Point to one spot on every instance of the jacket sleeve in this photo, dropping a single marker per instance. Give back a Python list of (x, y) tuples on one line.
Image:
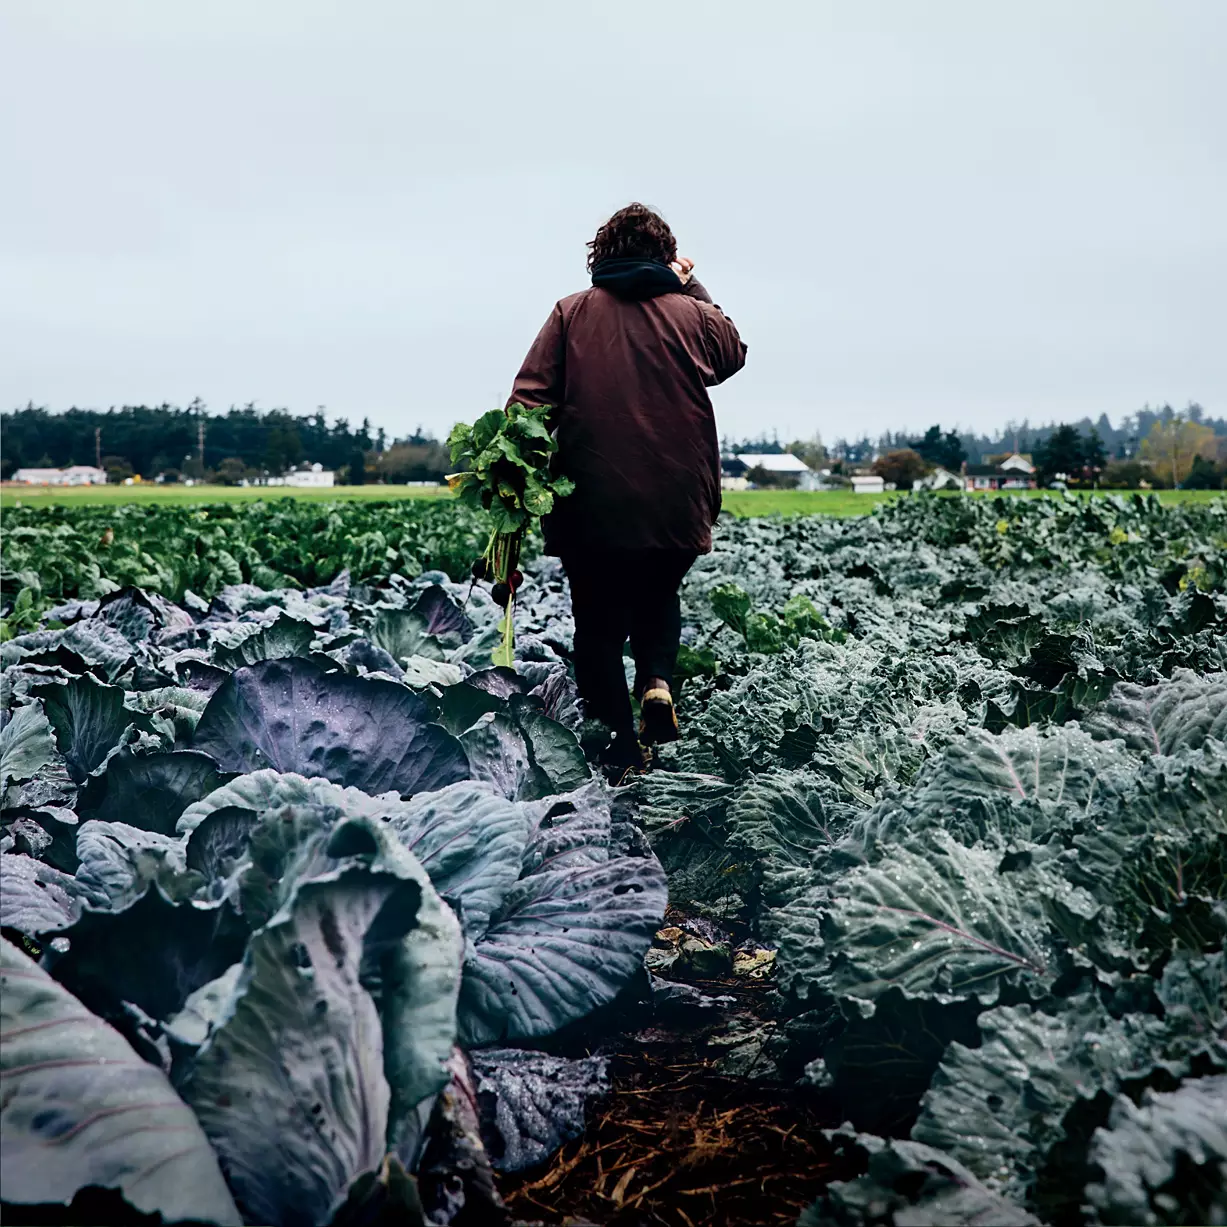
[(541, 380), (694, 288), (726, 352)]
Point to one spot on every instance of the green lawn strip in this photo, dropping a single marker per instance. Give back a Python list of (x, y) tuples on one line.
[(750, 503), (77, 496), (741, 503)]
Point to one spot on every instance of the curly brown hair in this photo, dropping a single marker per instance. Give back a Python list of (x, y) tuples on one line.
[(634, 232)]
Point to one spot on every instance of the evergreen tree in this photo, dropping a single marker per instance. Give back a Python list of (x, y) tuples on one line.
[(1094, 454), (1204, 475), (1061, 454), (937, 448)]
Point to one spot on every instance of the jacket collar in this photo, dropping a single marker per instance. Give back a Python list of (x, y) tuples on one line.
[(636, 279)]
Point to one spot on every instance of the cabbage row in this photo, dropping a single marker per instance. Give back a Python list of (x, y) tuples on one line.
[(977, 795), (303, 897), (288, 878), (59, 553)]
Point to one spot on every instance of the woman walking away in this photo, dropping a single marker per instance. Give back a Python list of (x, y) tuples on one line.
[(626, 366)]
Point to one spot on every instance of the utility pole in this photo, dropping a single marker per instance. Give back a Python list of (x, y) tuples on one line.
[(200, 443), (98, 446)]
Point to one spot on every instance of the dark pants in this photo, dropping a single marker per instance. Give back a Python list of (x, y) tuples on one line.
[(616, 595)]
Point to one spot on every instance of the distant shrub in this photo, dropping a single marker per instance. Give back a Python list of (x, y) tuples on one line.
[(766, 479), (902, 467), (1124, 475)]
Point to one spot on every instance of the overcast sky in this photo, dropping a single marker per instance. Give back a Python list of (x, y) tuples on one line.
[(959, 211)]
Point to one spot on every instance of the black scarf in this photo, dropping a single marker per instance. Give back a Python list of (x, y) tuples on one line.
[(630, 277)]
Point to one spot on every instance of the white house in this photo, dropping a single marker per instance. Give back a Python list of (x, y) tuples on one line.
[(774, 462), (85, 475), (868, 483), (1015, 472), (940, 479), (74, 475), (735, 469), (316, 475), (39, 477)]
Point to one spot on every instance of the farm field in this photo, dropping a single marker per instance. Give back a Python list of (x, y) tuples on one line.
[(845, 503), (921, 921), (180, 495), (738, 502)]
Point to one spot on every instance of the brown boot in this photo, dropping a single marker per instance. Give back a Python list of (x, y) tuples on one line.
[(657, 717)]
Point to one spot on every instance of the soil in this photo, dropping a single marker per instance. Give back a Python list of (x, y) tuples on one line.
[(676, 1143)]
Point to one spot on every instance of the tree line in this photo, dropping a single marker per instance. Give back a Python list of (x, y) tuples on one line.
[(1178, 450), (1154, 446), (1160, 448), (244, 443)]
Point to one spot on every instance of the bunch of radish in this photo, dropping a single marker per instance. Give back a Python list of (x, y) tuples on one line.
[(502, 590), (507, 471)]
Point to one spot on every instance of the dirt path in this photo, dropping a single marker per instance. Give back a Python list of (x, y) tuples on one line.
[(676, 1144), (695, 1130)]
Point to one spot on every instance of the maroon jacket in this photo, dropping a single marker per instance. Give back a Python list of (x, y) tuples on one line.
[(635, 426)]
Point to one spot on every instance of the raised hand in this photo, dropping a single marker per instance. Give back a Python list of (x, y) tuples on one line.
[(683, 266)]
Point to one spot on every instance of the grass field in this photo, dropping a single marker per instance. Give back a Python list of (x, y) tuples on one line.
[(846, 503), (739, 502), (76, 496)]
